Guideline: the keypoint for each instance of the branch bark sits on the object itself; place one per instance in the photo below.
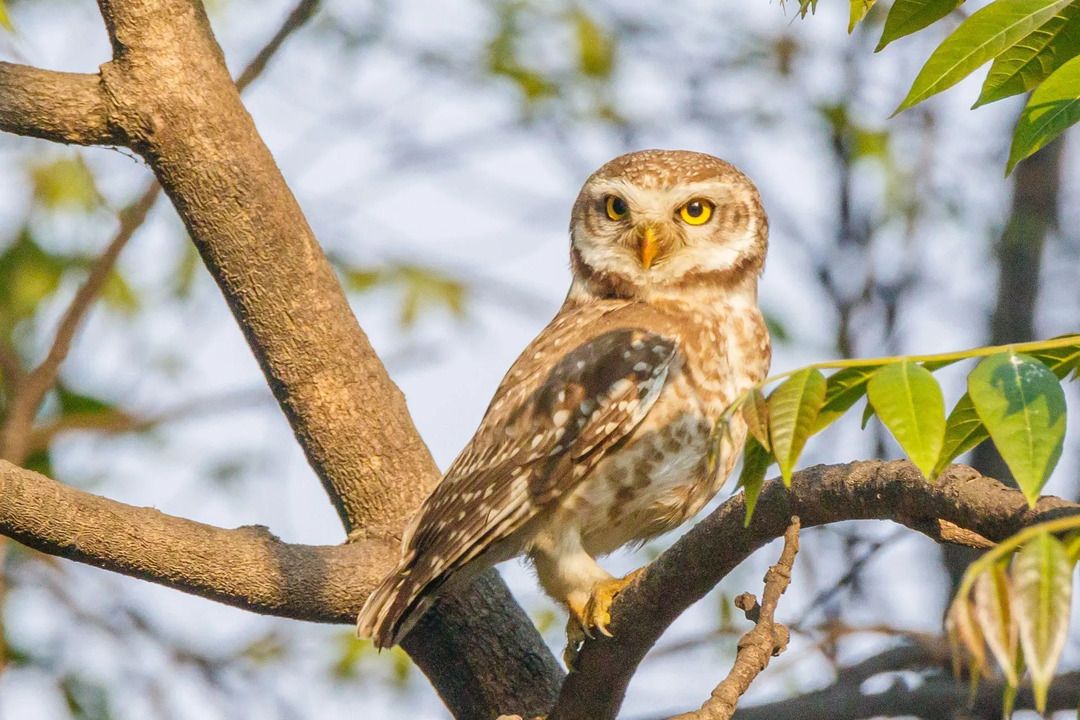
(819, 495)
(766, 640)
(57, 106)
(187, 121)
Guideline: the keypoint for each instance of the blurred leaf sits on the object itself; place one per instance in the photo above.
(503, 57)
(363, 280)
(186, 271)
(1054, 106)
(28, 276)
(992, 594)
(5, 19)
(85, 700)
(402, 666)
(857, 12)
(843, 390)
(352, 653)
(1042, 592)
(908, 401)
(908, 16)
(545, 619)
(870, 143)
(756, 462)
(793, 409)
(72, 402)
(963, 431)
(756, 414)
(1022, 406)
(65, 183)
(596, 49)
(118, 295)
(982, 37)
(423, 288)
(1033, 59)
(964, 633)
(777, 330)
(264, 650)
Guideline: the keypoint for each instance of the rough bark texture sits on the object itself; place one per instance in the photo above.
(819, 495)
(167, 94)
(63, 107)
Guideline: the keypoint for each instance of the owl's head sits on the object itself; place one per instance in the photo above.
(656, 221)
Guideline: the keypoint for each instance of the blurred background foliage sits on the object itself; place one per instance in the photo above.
(437, 154)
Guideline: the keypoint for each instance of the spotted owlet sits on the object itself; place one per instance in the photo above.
(602, 432)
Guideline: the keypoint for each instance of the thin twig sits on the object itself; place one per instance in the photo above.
(299, 17)
(765, 641)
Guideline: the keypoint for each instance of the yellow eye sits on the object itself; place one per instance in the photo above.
(616, 207)
(696, 212)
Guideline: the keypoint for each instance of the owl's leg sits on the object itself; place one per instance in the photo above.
(570, 575)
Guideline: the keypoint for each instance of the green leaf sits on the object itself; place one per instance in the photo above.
(1022, 406)
(1054, 106)
(963, 431)
(980, 38)
(867, 413)
(118, 294)
(844, 389)
(908, 16)
(1034, 58)
(596, 49)
(1060, 360)
(65, 183)
(5, 19)
(756, 414)
(857, 12)
(756, 462)
(793, 409)
(909, 402)
(992, 594)
(1042, 592)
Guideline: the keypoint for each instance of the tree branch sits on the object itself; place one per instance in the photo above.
(247, 567)
(936, 696)
(187, 121)
(818, 495)
(57, 106)
(766, 640)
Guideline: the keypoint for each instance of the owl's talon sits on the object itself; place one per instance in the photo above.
(595, 615)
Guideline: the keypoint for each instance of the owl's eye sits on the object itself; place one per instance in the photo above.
(616, 207)
(696, 212)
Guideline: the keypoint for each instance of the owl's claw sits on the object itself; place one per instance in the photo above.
(593, 616)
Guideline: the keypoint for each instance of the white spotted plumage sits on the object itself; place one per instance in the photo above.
(600, 433)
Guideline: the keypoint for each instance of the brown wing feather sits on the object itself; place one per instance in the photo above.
(525, 455)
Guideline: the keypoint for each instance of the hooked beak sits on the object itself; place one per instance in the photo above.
(648, 246)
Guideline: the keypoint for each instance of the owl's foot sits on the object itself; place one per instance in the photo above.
(593, 615)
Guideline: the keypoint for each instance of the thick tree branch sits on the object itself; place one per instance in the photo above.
(63, 107)
(187, 121)
(757, 647)
(247, 567)
(818, 495)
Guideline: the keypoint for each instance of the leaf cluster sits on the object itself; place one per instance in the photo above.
(1014, 398)
(1034, 46)
(1015, 600)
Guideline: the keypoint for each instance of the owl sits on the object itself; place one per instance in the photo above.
(604, 431)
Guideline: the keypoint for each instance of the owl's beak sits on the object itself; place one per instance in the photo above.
(648, 246)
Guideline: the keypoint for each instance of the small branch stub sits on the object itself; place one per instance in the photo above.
(765, 641)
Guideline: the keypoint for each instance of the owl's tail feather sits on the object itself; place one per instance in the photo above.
(396, 605)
